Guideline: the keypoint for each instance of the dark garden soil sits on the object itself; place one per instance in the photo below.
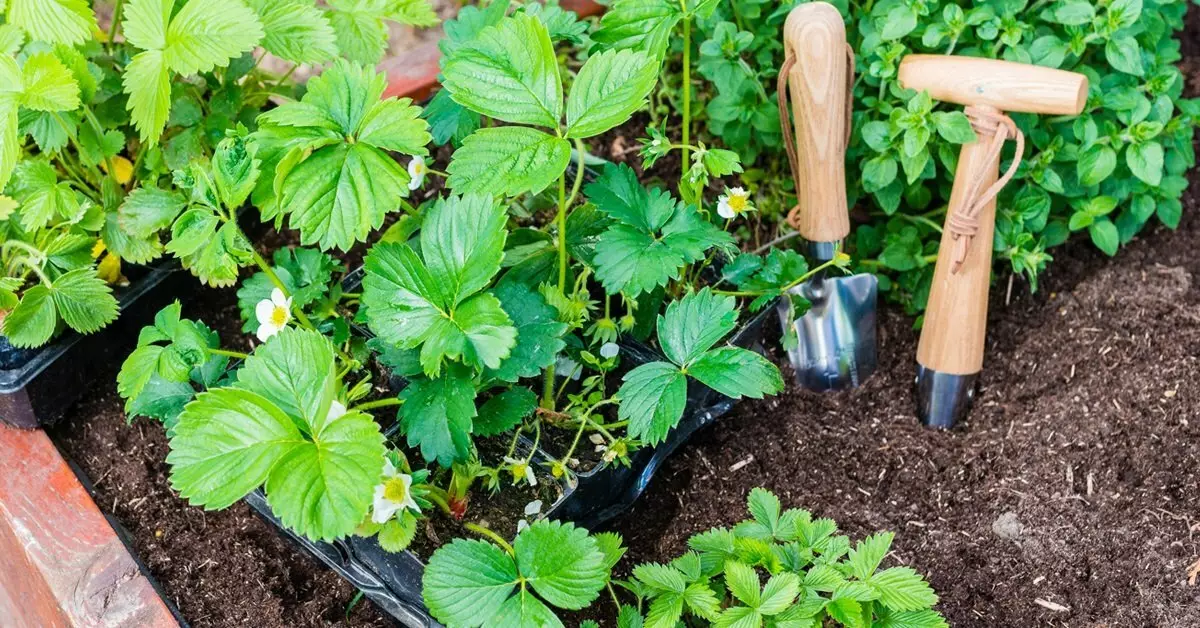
(1071, 498)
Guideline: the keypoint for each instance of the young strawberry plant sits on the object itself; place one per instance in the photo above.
(114, 140)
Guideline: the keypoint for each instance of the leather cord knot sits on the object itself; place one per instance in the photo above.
(993, 127)
(785, 122)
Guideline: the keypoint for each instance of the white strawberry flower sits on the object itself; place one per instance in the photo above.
(393, 495)
(609, 350)
(733, 203)
(532, 509)
(273, 314)
(416, 172)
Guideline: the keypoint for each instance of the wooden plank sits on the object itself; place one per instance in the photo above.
(61, 564)
(414, 73)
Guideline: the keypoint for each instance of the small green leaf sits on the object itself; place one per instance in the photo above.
(644, 25)
(743, 583)
(209, 33)
(508, 160)
(32, 322)
(1104, 236)
(1124, 55)
(437, 415)
(295, 30)
(148, 84)
(539, 332)
(609, 88)
(68, 22)
(779, 593)
(49, 85)
(508, 72)
(1146, 161)
(562, 563)
(148, 210)
(866, 556)
(505, 411)
(693, 324)
(467, 581)
(83, 300)
(397, 534)
(903, 589)
(1096, 164)
(652, 400)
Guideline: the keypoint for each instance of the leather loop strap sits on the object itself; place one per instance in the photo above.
(994, 127)
(785, 119)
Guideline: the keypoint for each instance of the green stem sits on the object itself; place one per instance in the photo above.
(286, 75)
(799, 280)
(687, 89)
(495, 538)
(231, 354)
(378, 403)
(584, 421)
(116, 19)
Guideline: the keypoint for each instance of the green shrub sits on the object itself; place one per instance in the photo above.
(1107, 171)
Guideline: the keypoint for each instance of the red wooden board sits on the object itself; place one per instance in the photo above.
(61, 564)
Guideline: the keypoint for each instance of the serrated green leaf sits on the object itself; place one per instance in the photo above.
(508, 160)
(83, 300)
(539, 332)
(779, 593)
(148, 210)
(395, 125)
(743, 583)
(448, 120)
(49, 85)
(225, 445)
(523, 609)
(608, 89)
(209, 33)
(914, 619)
(639, 25)
(322, 489)
(134, 250)
(903, 589)
(361, 36)
(660, 577)
(618, 193)
(652, 400)
(68, 22)
(296, 371)
(467, 581)
(508, 72)
(295, 30)
(505, 411)
(217, 259)
(235, 171)
(32, 322)
(693, 324)
(437, 415)
(866, 556)
(147, 82)
(398, 533)
(736, 373)
(665, 611)
(562, 563)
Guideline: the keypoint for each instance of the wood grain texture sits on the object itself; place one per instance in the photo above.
(1005, 85)
(61, 564)
(815, 36)
(953, 335)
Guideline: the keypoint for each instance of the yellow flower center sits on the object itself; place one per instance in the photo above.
(279, 316)
(737, 203)
(395, 490)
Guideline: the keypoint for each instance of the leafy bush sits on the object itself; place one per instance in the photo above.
(813, 577)
(778, 568)
(1108, 171)
(115, 148)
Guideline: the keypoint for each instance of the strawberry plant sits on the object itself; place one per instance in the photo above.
(503, 304)
(780, 568)
(116, 149)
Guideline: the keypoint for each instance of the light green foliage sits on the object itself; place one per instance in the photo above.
(783, 568)
(332, 174)
(361, 25)
(202, 35)
(654, 237)
(653, 395)
(306, 274)
(470, 583)
(157, 379)
(78, 298)
(506, 69)
(68, 22)
(436, 301)
(275, 426)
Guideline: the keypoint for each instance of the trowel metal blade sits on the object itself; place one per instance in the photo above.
(836, 348)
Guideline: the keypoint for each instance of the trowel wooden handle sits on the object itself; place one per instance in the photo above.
(952, 337)
(1005, 85)
(815, 36)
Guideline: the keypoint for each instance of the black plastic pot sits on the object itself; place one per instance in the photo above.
(589, 499)
(38, 385)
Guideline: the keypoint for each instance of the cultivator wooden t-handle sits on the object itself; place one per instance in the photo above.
(950, 354)
(817, 71)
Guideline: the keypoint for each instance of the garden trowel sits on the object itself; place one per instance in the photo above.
(835, 346)
(950, 354)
